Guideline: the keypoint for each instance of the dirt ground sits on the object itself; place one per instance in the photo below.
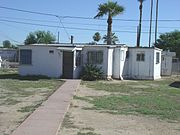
(80, 121)
(19, 97)
(10, 117)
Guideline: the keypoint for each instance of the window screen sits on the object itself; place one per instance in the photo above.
(95, 57)
(26, 57)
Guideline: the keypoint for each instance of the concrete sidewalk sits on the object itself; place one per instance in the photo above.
(47, 119)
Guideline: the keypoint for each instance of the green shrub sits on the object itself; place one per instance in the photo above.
(92, 73)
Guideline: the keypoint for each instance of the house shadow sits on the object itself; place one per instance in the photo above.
(18, 77)
(175, 84)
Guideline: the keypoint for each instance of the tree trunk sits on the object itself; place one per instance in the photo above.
(140, 20)
(156, 25)
(150, 26)
(109, 30)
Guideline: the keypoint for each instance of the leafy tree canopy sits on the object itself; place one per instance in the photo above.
(170, 41)
(40, 37)
(6, 44)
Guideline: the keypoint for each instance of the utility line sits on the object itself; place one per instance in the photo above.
(39, 13)
(78, 17)
(12, 26)
(55, 26)
(86, 24)
(28, 11)
(9, 38)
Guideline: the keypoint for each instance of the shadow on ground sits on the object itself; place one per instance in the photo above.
(16, 76)
(175, 84)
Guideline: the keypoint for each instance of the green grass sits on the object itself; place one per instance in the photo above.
(23, 94)
(67, 121)
(31, 108)
(12, 85)
(147, 105)
(15, 89)
(155, 98)
(88, 133)
(82, 98)
(10, 101)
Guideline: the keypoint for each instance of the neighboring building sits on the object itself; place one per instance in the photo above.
(176, 66)
(0, 61)
(116, 61)
(166, 64)
(9, 54)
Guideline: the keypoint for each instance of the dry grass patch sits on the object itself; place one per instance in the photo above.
(20, 96)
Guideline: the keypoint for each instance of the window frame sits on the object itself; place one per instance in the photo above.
(95, 57)
(157, 57)
(140, 56)
(25, 60)
(51, 51)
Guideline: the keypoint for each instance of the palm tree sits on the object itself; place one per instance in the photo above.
(97, 37)
(114, 38)
(156, 25)
(111, 9)
(140, 21)
(40, 37)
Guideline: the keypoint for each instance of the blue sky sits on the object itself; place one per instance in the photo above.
(125, 30)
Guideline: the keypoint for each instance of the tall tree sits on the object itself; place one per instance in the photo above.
(170, 41)
(150, 26)
(114, 38)
(140, 22)
(111, 9)
(7, 44)
(40, 37)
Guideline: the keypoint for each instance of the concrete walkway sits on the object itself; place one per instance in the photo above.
(47, 119)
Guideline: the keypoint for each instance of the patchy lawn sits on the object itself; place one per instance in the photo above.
(125, 107)
(156, 98)
(20, 96)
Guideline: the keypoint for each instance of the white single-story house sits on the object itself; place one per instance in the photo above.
(67, 61)
(166, 64)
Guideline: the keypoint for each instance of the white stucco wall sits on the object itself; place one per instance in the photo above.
(0, 61)
(110, 62)
(119, 62)
(43, 63)
(141, 69)
(107, 57)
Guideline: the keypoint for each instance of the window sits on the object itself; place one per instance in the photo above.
(26, 57)
(95, 57)
(78, 58)
(51, 51)
(140, 56)
(157, 57)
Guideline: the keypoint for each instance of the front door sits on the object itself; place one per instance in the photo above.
(67, 65)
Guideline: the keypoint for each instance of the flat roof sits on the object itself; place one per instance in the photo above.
(155, 48)
(71, 45)
(8, 49)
